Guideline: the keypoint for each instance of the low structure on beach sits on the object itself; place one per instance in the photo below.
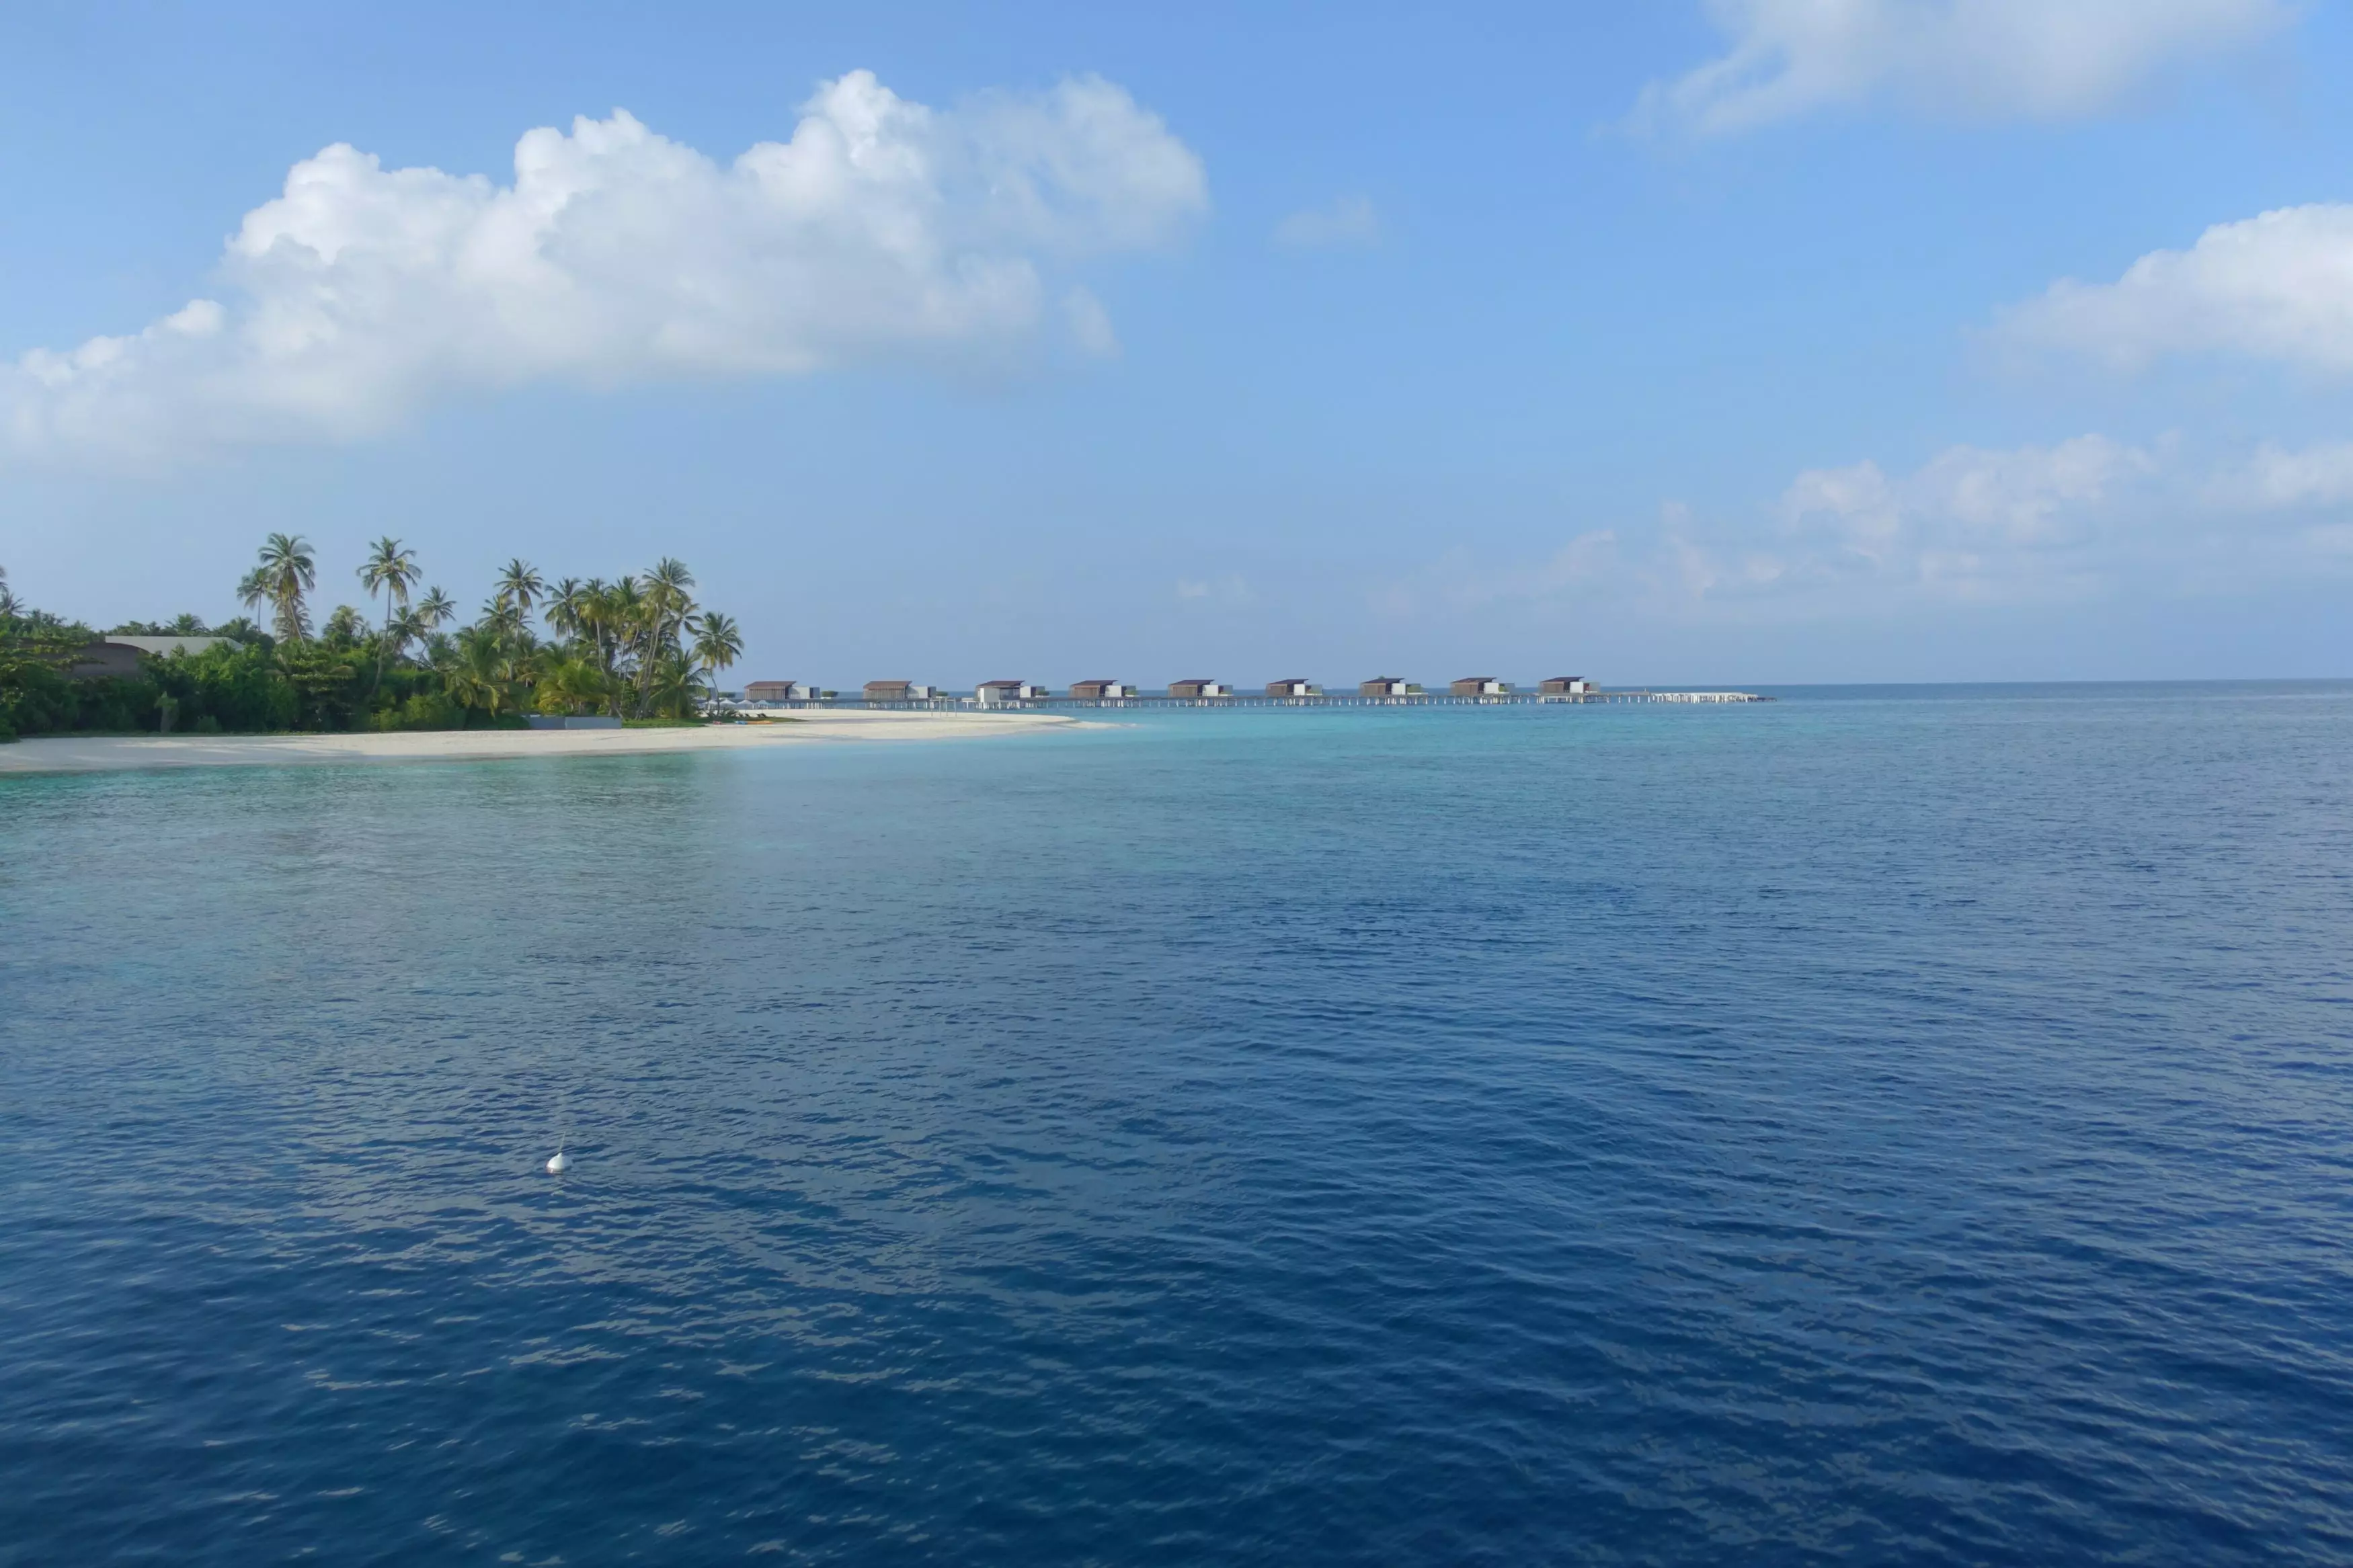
(779, 691)
(989, 691)
(899, 692)
(1481, 686)
(118, 655)
(1385, 686)
(1564, 685)
(1294, 688)
(1099, 690)
(1196, 689)
(571, 721)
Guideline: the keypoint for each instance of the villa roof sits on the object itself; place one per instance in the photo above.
(165, 646)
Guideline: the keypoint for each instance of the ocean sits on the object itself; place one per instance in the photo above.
(1880, 1125)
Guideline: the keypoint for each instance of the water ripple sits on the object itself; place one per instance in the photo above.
(1898, 1129)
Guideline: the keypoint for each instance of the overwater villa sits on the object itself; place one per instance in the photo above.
(1295, 690)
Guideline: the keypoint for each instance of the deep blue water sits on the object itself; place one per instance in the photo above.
(1875, 1126)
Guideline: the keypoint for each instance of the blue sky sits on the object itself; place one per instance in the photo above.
(1683, 341)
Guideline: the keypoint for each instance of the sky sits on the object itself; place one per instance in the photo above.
(1742, 342)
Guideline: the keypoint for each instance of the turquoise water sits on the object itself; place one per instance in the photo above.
(1876, 1125)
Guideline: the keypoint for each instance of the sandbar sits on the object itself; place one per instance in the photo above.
(102, 753)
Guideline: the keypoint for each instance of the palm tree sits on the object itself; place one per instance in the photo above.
(7, 598)
(717, 641)
(673, 687)
(564, 606)
(519, 585)
(572, 685)
(476, 670)
(404, 628)
(667, 607)
(390, 570)
(345, 626)
(285, 571)
(436, 610)
(613, 615)
(502, 615)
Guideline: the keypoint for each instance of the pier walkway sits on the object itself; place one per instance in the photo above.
(953, 703)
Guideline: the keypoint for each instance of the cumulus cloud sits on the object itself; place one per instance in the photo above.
(1968, 521)
(2025, 58)
(2278, 287)
(1348, 222)
(2278, 478)
(2075, 521)
(881, 229)
(1090, 324)
(1971, 525)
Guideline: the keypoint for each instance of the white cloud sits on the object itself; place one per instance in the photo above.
(2078, 522)
(2278, 286)
(1090, 324)
(882, 229)
(1970, 526)
(1229, 591)
(1346, 222)
(2030, 59)
(1463, 580)
(2276, 478)
(1970, 522)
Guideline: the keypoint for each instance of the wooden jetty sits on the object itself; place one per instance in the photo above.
(943, 701)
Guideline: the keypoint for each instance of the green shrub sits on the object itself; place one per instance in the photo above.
(232, 688)
(421, 711)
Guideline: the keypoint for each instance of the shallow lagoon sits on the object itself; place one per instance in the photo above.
(1897, 1124)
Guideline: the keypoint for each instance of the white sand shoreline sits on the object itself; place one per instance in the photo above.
(107, 753)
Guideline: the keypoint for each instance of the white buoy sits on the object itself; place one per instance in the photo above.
(558, 1163)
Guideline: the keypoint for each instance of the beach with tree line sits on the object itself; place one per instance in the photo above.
(637, 648)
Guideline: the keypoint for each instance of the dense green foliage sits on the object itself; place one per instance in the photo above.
(637, 648)
(34, 649)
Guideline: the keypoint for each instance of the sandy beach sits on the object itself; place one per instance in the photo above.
(100, 754)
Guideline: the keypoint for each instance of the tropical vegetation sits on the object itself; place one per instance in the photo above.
(637, 648)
